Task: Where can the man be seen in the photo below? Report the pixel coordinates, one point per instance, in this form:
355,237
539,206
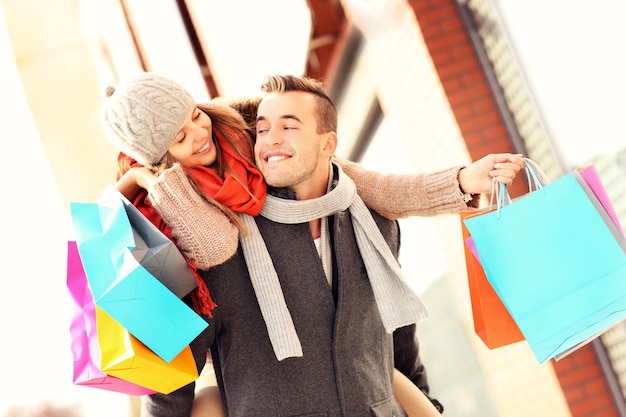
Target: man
308,307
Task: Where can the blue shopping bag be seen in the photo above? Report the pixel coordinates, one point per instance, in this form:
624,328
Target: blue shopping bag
557,262
83,331
122,287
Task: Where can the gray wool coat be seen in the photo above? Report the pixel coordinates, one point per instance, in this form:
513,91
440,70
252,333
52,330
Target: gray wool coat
348,361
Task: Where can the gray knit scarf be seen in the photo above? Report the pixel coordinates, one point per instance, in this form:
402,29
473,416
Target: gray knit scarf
398,304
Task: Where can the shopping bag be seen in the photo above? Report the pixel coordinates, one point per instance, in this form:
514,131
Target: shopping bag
122,287
558,263
592,178
155,251
84,337
492,321
125,357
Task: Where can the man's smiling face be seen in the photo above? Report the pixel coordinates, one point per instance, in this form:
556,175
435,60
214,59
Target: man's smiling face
288,150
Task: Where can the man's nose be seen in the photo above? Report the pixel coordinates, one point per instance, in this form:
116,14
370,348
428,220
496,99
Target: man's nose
274,137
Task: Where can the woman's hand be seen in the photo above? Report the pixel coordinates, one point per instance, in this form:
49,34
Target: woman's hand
134,180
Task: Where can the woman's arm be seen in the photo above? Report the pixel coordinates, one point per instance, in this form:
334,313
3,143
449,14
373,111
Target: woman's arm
202,231
411,398
135,180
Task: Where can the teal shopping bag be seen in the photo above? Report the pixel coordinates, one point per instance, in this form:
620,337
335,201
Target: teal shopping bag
557,262
122,287
83,331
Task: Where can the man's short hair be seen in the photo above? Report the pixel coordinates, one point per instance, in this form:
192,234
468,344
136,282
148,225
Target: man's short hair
326,109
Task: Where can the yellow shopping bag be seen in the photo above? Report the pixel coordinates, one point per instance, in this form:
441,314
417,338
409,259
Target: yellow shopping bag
125,357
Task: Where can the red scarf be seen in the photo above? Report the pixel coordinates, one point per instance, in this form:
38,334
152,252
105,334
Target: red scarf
227,191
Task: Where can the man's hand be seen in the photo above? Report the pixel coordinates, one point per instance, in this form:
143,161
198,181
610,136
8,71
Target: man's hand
477,178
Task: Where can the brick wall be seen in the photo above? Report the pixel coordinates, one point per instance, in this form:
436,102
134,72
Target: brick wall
463,80
584,385
580,376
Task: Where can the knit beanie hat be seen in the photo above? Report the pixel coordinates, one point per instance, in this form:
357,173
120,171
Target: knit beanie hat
142,115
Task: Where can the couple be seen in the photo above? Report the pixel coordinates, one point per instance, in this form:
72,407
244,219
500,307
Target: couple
309,314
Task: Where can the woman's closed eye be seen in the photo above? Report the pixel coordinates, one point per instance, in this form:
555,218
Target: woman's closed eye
180,138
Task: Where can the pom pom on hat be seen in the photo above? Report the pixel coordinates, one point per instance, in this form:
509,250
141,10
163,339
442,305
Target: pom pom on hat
142,115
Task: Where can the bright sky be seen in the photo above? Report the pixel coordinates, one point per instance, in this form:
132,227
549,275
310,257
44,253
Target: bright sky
574,57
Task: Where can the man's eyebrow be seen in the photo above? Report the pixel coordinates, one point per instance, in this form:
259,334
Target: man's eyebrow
283,117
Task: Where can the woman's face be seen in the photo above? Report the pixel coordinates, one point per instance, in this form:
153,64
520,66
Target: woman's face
193,144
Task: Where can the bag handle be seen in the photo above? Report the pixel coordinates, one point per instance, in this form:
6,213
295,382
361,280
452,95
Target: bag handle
500,193
537,179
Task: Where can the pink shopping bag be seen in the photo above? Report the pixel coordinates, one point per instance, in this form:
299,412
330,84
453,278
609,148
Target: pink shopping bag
591,177
85,348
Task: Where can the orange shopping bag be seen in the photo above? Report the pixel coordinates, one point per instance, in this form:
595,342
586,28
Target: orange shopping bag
492,321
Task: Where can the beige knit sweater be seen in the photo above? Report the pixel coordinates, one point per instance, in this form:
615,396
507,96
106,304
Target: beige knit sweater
207,237
201,231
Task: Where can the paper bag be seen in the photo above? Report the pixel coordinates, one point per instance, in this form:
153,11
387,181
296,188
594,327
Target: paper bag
153,250
125,357
492,321
124,288
558,263
591,177
84,337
